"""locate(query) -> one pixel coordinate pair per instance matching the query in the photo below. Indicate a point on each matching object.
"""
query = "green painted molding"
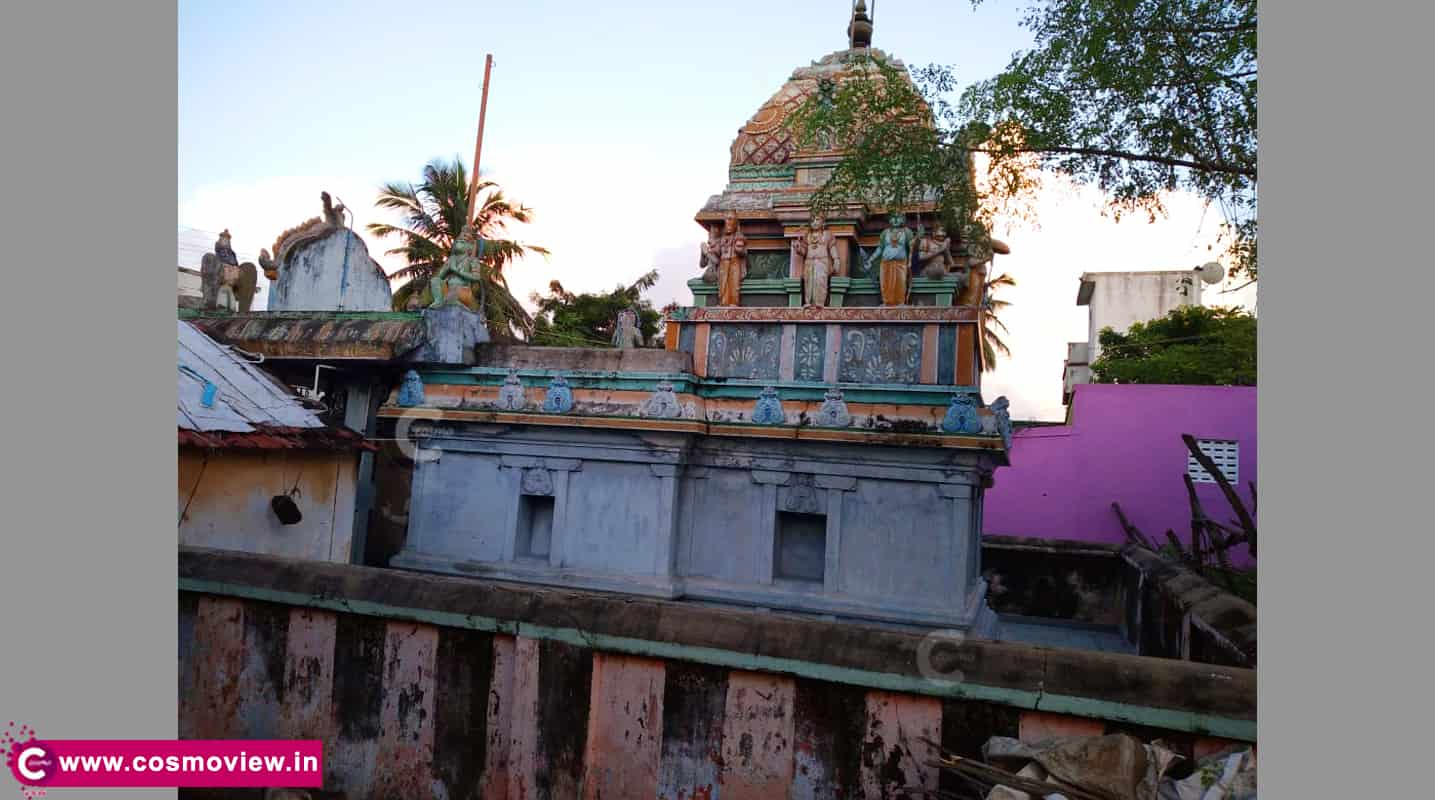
(743, 171)
(1172, 719)
(683, 383)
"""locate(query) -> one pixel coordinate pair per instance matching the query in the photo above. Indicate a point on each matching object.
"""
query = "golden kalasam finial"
(859, 30)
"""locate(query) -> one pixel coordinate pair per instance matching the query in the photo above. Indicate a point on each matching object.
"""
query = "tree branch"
(1202, 166)
(1248, 525)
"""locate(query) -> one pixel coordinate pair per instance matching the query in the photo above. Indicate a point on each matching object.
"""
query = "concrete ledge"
(1176, 695)
(1228, 621)
(584, 359)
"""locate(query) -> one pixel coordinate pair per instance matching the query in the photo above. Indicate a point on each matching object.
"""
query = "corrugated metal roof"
(244, 397)
(227, 401)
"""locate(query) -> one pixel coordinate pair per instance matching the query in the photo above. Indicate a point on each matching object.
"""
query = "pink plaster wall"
(1123, 444)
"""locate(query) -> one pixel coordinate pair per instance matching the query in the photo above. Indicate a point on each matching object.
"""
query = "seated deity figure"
(732, 267)
(934, 254)
(894, 250)
(815, 259)
(461, 271)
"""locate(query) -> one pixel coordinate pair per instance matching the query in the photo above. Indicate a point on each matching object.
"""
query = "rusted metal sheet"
(896, 756)
(624, 727)
(404, 763)
(757, 736)
(380, 336)
(694, 697)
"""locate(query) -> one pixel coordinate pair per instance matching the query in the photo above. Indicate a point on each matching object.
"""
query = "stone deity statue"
(815, 259)
(626, 332)
(732, 264)
(460, 273)
(224, 282)
(894, 250)
(711, 257)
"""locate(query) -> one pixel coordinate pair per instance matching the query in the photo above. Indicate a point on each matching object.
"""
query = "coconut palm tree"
(992, 343)
(434, 212)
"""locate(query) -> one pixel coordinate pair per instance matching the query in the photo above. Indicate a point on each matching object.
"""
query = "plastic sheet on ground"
(1227, 776)
(1118, 766)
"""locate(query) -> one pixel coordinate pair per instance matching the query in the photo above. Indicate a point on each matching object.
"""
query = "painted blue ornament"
(411, 391)
(558, 399)
(768, 410)
(961, 416)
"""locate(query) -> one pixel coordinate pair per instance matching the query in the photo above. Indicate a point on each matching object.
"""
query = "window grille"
(1225, 454)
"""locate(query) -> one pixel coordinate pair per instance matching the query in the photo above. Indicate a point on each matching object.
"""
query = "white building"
(1117, 299)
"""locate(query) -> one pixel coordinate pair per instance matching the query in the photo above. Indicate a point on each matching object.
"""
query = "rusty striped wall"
(414, 710)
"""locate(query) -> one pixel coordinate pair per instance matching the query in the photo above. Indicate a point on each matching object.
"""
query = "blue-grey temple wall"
(890, 531)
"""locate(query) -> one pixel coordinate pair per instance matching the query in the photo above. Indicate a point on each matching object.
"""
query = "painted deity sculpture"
(711, 257)
(732, 265)
(460, 273)
(894, 251)
(558, 399)
(220, 273)
(626, 332)
(411, 391)
(768, 409)
(662, 403)
(815, 259)
(510, 395)
(934, 254)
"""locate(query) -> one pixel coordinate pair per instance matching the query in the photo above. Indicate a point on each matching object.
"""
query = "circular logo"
(938, 655)
(34, 763)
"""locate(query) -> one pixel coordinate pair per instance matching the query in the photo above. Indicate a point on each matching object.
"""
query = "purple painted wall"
(1123, 444)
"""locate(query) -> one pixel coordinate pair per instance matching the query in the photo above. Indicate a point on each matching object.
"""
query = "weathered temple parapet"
(323, 265)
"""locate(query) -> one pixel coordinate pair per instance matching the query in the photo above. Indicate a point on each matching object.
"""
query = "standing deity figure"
(732, 265)
(815, 259)
(461, 271)
(894, 250)
(711, 256)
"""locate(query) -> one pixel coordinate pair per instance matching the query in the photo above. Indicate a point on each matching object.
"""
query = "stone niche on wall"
(855, 531)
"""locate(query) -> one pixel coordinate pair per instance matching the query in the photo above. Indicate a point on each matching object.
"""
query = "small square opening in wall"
(1226, 455)
(535, 526)
(800, 552)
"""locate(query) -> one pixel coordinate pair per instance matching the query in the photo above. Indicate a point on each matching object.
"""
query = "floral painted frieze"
(880, 354)
(744, 351)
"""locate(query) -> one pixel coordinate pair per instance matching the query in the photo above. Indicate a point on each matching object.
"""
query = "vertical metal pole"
(478, 145)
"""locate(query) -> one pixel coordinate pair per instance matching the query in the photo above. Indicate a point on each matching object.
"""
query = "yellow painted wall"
(230, 509)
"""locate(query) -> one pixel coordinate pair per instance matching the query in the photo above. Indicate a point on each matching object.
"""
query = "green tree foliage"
(565, 319)
(434, 212)
(992, 343)
(1135, 97)
(1191, 345)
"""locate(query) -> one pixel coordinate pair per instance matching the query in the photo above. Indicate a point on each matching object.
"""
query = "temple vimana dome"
(809, 436)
